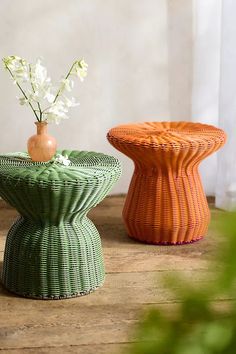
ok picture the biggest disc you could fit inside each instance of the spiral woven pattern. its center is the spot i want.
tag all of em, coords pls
(166, 203)
(53, 250)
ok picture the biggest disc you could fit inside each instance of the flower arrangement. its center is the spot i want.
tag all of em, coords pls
(48, 102)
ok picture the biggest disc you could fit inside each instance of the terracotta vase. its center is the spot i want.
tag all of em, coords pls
(41, 146)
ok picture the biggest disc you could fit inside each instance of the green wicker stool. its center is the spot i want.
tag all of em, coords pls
(53, 250)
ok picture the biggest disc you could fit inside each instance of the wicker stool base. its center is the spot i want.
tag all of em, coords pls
(64, 297)
(53, 262)
(168, 218)
(168, 243)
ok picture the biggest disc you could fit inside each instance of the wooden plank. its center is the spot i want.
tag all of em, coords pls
(107, 348)
(75, 326)
(139, 287)
(69, 325)
(58, 334)
(127, 260)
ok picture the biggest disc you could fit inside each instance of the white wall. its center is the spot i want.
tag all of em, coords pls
(125, 44)
(144, 64)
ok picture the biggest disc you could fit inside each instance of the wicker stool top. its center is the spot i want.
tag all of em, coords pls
(168, 135)
(84, 166)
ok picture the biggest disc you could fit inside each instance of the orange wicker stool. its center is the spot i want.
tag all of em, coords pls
(166, 203)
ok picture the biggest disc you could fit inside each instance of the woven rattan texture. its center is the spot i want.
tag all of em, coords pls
(53, 250)
(166, 203)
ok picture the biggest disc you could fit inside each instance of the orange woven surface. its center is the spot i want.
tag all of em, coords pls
(166, 203)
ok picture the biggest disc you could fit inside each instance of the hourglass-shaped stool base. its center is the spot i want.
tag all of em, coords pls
(53, 250)
(53, 261)
(166, 203)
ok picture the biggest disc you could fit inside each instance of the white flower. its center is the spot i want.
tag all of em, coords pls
(41, 94)
(35, 96)
(71, 103)
(81, 69)
(63, 159)
(41, 83)
(47, 101)
(49, 96)
(12, 61)
(39, 74)
(18, 68)
(67, 84)
(22, 100)
(56, 112)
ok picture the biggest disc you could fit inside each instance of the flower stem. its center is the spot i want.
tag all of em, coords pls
(23, 94)
(39, 107)
(45, 109)
(61, 87)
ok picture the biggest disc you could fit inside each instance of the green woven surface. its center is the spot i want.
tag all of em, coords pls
(53, 250)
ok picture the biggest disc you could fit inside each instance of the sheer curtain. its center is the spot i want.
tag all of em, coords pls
(213, 90)
(226, 174)
(206, 75)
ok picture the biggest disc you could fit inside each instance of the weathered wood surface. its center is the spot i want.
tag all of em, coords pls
(103, 322)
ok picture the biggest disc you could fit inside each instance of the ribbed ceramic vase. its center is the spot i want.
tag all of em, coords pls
(41, 146)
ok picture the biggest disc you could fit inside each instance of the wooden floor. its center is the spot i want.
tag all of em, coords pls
(102, 322)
